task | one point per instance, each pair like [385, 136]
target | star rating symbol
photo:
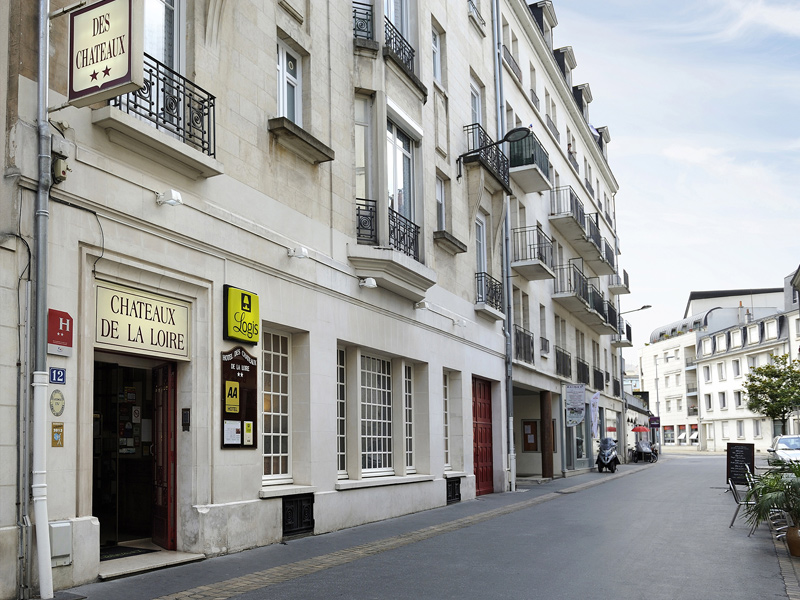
[106, 71]
[93, 75]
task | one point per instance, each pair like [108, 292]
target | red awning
[611, 428]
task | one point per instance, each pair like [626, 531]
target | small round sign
[57, 403]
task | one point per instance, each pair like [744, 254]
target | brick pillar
[546, 411]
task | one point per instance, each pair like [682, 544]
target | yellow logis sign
[105, 51]
[140, 322]
[241, 315]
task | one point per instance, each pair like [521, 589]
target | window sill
[454, 474]
[136, 135]
[299, 141]
[392, 270]
[489, 312]
[367, 48]
[448, 242]
[357, 484]
[278, 491]
[481, 28]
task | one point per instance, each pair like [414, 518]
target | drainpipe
[507, 324]
[40, 379]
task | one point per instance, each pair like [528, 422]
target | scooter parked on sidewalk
[645, 452]
[607, 455]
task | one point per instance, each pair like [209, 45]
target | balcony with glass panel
[529, 164]
[532, 253]
[619, 284]
[169, 119]
[624, 337]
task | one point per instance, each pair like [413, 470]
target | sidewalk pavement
[213, 578]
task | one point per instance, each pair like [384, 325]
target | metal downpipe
[508, 323]
[40, 379]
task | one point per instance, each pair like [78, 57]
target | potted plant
[777, 490]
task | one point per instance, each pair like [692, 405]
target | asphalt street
[649, 532]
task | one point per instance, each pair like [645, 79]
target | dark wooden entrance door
[482, 436]
[164, 533]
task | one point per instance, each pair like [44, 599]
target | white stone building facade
[282, 267]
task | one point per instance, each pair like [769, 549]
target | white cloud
[737, 18]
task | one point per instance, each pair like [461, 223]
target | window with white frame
[399, 170]
[771, 330]
[723, 400]
[668, 404]
[737, 367]
[397, 12]
[756, 428]
[707, 399]
[677, 379]
[363, 147]
[441, 214]
[752, 362]
[164, 31]
[740, 429]
[797, 327]
[753, 336]
[721, 371]
[722, 343]
[480, 244]
[706, 346]
[436, 53]
[707, 373]
[289, 84]
[737, 398]
[276, 408]
[376, 416]
[736, 338]
[408, 418]
[446, 417]
[341, 414]
[725, 434]
[679, 404]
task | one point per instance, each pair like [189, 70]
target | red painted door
[482, 436]
[164, 456]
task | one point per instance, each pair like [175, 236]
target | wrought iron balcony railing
[399, 45]
[472, 9]
[403, 234]
[366, 223]
[173, 104]
[524, 344]
[596, 300]
[362, 21]
[564, 201]
[571, 280]
[512, 62]
[582, 374]
[563, 363]
[489, 291]
[529, 151]
[544, 345]
[691, 389]
[534, 99]
[691, 411]
[617, 387]
[552, 127]
[479, 147]
[598, 379]
[531, 243]
[611, 314]
[608, 253]
[573, 161]
[593, 231]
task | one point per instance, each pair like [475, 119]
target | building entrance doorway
[482, 436]
[133, 476]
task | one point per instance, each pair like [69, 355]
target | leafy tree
[773, 390]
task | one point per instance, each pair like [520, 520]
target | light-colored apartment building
[290, 280]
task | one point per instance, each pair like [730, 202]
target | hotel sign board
[130, 320]
[106, 45]
[241, 315]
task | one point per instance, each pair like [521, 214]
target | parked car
[784, 448]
